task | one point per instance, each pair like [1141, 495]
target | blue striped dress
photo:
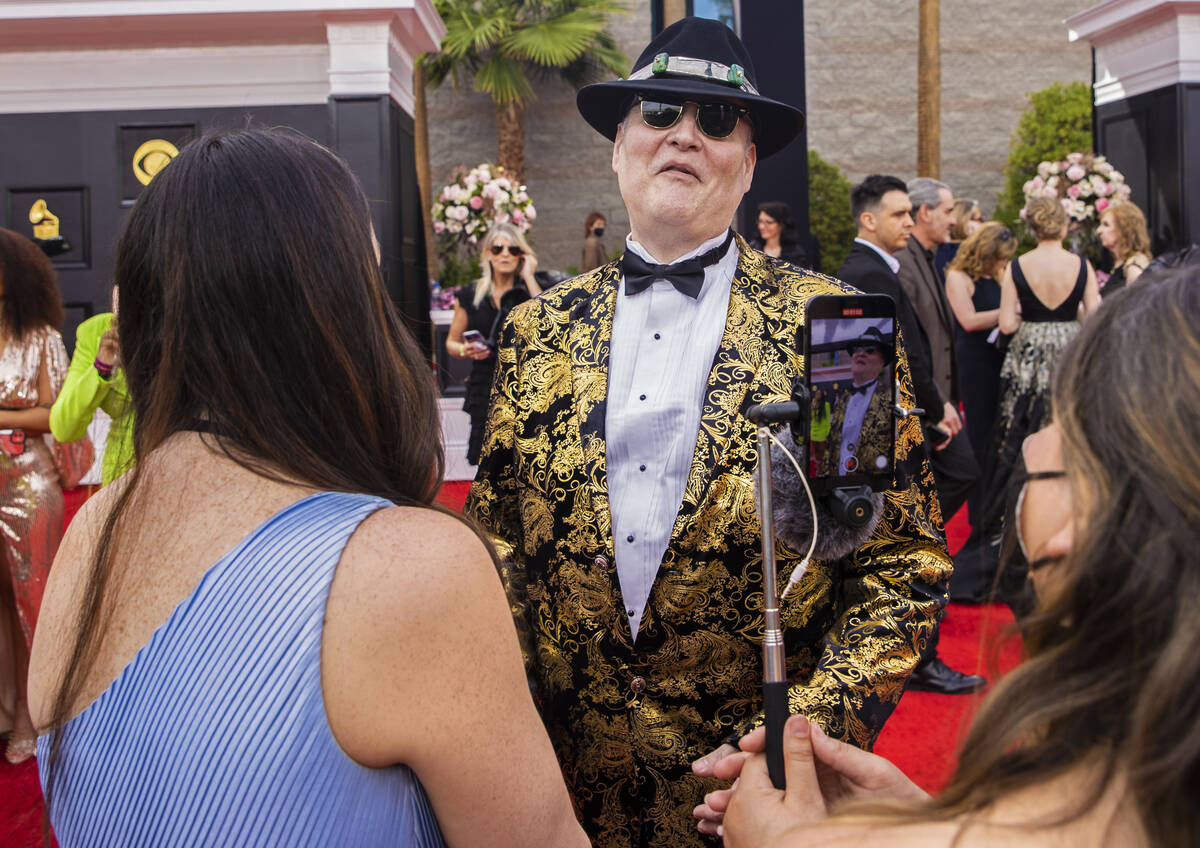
[216, 733]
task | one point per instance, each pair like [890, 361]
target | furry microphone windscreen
[793, 517]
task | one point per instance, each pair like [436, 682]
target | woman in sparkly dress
[32, 366]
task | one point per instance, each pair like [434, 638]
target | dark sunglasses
[1006, 235]
[513, 250]
[715, 119]
[869, 350]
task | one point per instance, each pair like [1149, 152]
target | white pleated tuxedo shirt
[662, 349]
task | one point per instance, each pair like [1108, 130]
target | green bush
[1057, 121]
[829, 212]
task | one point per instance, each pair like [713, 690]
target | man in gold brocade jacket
[617, 472]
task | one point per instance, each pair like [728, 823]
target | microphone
[837, 537]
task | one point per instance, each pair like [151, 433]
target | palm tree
[501, 43]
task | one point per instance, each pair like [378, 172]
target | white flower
[530, 212]
[1117, 177]
[1043, 169]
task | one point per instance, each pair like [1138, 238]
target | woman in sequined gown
[1043, 296]
[32, 367]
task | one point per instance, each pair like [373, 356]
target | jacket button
[638, 685]
[601, 562]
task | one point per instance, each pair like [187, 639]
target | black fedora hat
[872, 336]
[695, 58]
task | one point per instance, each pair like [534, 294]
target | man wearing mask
[617, 472]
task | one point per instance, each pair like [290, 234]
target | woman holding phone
[508, 264]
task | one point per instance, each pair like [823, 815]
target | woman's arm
[421, 666]
[528, 266]
[34, 420]
[1091, 292]
[1010, 316]
[455, 346]
[82, 392]
[958, 291]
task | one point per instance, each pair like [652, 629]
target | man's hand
[950, 422]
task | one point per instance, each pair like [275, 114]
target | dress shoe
[936, 676]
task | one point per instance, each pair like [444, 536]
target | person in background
[594, 254]
[1043, 296]
[1092, 739]
[1122, 232]
[973, 289]
[258, 635]
[968, 218]
[508, 264]
[32, 367]
[95, 381]
[777, 234]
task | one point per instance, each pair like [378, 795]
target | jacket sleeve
[892, 593]
[494, 499]
[81, 393]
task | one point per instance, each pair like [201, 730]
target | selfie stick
[775, 684]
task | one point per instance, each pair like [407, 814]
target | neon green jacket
[85, 390]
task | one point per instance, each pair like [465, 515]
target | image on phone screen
[851, 379]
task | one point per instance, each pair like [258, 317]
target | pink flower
[439, 227]
[476, 202]
[517, 216]
[1076, 172]
[1102, 204]
[1038, 182]
[1073, 192]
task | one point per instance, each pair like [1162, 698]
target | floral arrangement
[476, 199]
[1084, 183]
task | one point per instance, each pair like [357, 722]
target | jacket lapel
[589, 339]
[930, 280]
[734, 382]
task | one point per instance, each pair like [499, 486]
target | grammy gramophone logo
[151, 157]
[45, 229]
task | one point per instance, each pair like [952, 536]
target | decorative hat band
[685, 66]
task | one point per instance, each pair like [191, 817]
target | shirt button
[629, 538]
[641, 397]
[641, 468]
[600, 562]
[631, 613]
[657, 336]
[638, 685]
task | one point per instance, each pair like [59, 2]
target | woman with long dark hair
[1093, 739]
[266, 633]
[777, 233]
[32, 367]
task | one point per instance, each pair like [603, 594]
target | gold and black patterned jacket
[627, 719]
[873, 441]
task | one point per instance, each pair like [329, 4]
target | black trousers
[955, 471]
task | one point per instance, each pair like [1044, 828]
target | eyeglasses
[869, 350]
[716, 119]
[513, 250]
[1025, 478]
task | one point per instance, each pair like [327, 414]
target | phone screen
[850, 371]
[473, 337]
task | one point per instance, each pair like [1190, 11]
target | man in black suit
[932, 211]
[883, 212]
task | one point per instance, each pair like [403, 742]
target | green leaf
[503, 79]
[557, 42]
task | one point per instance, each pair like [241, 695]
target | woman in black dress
[973, 289]
[1123, 233]
[777, 234]
[508, 264]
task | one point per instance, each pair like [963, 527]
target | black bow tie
[687, 276]
[862, 390]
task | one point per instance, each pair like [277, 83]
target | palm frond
[556, 42]
[503, 79]
[469, 32]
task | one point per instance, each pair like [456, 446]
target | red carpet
[921, 737]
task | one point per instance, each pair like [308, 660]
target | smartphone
[850, 374]
[936, 436]
[474, 337]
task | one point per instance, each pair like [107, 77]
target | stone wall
[861, 58]
[862, 102]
